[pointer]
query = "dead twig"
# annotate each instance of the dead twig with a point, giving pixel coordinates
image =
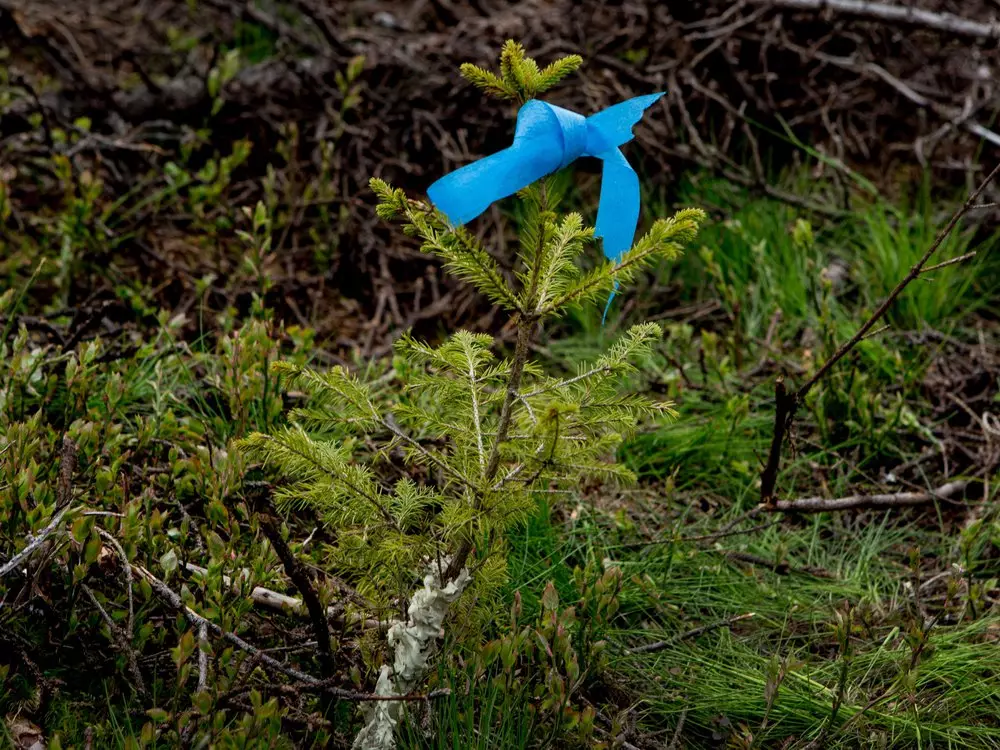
(784, 410)
(787, 404)
(34, 544)
(894, 14)
(121, 641)
(296, 571)
(128, 579)
(858, 502)
(309, 683)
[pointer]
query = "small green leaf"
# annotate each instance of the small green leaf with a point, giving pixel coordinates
(168, 561)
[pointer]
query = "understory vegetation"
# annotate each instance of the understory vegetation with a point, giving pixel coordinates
(212, 513)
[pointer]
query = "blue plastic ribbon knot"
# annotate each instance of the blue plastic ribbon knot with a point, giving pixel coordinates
(548, 138)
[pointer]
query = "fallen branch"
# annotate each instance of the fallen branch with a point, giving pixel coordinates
(173, 600)
(64, 495)
(857, 502)
(34, 544)
(951, 115)
(128, 579)
(896, 14)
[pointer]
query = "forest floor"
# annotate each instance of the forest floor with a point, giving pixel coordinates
(137, 331)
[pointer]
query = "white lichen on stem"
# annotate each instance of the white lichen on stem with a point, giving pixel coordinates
(415, 643)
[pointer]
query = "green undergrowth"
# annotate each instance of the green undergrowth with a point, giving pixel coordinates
(868, 629)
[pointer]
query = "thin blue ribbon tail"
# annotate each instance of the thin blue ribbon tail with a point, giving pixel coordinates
(607, 306)
(464, 194)
(618, 210)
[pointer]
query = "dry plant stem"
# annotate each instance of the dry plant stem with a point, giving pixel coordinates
(913, 273)
(953, 116)
(298, 575)
(128, 579)
(173, 600)
(784, 410)
(951, 262)
(202, 656)
(121, 640)
(694, 633)
(64, 494)
(856, 502)
(169, 597)
(894, 13)
(787, 404)
(34, 544)
(675, 741)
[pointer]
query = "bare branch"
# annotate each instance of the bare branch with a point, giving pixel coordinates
(895, 14)
(128, 579)
(120, 639)
(857, 502)
(913, 273)
(34, 544)
(951, 262)
(787, 404)
(309, 683)
(295, 570)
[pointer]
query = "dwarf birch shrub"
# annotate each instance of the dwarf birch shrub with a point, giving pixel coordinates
(426, 482)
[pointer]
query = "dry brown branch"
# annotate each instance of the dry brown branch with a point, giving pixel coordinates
(173, 600)
(872, 502)
(950, 262)
(296, 571)
(126, 574)
(308, 683)
(903, 14)
(913, 273)
(952, 116)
